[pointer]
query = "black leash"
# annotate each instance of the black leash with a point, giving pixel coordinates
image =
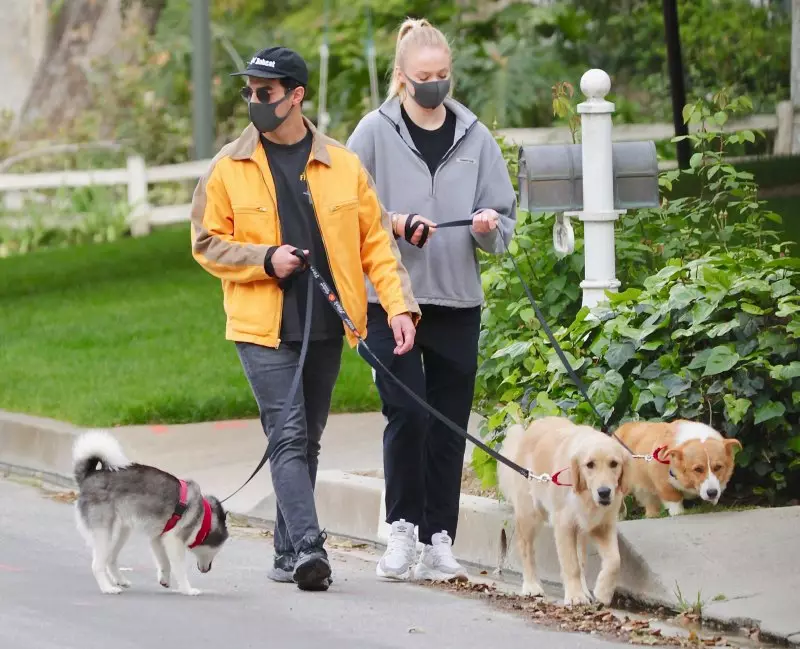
(409, 231)
(298, 375)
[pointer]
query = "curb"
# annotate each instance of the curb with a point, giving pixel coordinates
(352, 506)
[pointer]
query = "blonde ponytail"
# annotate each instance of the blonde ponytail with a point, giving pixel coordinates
(413, 33)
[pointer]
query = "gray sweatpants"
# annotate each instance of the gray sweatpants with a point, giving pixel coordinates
(295, 454)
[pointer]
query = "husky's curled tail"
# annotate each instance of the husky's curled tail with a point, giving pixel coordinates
(93, 448)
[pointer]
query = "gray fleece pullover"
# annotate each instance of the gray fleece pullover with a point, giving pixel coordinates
(472, 176)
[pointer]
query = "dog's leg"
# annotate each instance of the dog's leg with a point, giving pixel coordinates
(566, 536)
(121, 537)
(176, 551)
(607, 542)
(101, 547)
(651, 503)
(672, 499)
(162, 561)
(583, 540)
(527, 525)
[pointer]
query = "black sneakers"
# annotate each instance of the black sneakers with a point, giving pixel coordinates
(312, 571)
(283, 567)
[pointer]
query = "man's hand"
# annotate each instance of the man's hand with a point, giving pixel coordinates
(404, 332)
(485, 221)
(284, 262)
(399, 227)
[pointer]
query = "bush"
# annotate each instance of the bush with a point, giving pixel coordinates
(709, 330)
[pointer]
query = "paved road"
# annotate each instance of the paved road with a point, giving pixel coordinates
(49, 599)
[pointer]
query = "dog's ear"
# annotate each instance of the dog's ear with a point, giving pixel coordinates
(674, 454)
(578, 483)
(730, 444)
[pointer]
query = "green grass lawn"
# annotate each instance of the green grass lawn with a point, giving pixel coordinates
(128, 333)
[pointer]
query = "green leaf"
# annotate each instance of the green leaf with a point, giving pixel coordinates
(769, 410)
(749, 136)
(695, 160)
(619, 353)
(736, 409)
(514, 350)
(645, 397)
(720, 359)
(722, 328)
(607, 389)
(700, 359)
(783, 287)
(752, 309)
(785, 372)
(794, 443)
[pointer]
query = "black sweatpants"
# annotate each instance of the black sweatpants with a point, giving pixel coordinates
(422, 458)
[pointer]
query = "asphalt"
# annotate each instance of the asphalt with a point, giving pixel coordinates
(50, 599)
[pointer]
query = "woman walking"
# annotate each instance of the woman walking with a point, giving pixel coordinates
(432, 161)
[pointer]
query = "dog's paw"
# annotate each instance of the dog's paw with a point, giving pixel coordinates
(119, 580)
(111, 590)
(532, 589)
(576, 599)
(163, 579)
(604, 597)
(192, 592)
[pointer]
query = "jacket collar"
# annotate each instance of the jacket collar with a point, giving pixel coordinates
(465, 118)
(246, 145)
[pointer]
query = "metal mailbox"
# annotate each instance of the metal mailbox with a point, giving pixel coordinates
(551, 176)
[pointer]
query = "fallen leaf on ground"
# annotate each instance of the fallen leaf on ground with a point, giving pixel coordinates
(63, 496)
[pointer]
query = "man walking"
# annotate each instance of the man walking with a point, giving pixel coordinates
(280, 187)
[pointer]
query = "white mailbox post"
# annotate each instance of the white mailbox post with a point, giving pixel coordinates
(596, 181)
(598, 213)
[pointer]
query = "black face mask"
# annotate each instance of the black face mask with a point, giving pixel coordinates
(430, 94)
(264, 117)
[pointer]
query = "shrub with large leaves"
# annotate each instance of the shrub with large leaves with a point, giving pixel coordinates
(713, 339)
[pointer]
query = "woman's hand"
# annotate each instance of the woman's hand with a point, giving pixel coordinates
(399, 227)
(485, 221)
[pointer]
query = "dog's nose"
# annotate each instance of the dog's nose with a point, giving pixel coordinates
(712, 493)
(604, 493)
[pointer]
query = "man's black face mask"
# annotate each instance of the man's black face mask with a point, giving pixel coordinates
(263, 114)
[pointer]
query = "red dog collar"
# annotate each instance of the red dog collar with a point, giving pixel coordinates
(180, 509)
(657, 455)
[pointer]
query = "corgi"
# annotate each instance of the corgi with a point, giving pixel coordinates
(693, 461)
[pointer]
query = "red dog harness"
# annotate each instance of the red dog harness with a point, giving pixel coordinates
(180, 509)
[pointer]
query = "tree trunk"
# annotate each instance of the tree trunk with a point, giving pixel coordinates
(86, 30)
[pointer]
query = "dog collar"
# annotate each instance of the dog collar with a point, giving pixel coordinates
(205, 526)
(180, 509)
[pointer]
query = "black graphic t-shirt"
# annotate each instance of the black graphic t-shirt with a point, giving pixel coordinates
(299, 228)
(432, 144)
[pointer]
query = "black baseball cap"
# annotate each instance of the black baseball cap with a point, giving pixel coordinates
(276, 63)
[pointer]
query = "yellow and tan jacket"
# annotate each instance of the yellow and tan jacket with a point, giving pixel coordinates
(234, 221)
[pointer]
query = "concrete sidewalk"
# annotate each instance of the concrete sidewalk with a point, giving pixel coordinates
(739, 565)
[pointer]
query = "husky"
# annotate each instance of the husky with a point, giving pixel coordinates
(117, 496)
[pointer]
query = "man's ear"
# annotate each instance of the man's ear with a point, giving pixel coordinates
(578, 483)
(299, 95)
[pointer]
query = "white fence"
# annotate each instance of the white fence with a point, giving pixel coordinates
(137, 176)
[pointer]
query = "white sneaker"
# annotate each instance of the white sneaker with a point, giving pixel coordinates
(437, 563)
(400, 553)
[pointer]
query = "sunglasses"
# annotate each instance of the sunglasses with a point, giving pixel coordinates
(262, 93)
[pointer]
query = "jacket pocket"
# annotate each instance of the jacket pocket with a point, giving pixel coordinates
(343, 206)
(255, 224)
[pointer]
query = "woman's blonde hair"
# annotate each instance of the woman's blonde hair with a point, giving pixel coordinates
(413, 34)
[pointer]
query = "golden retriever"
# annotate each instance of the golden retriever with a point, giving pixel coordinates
(587, 508)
